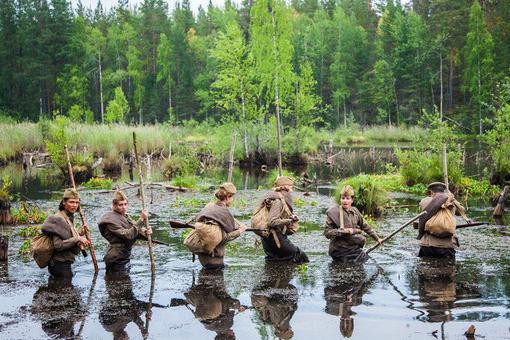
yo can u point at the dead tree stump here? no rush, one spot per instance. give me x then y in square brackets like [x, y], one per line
[5, 213]
[500, 206]
[4, 247]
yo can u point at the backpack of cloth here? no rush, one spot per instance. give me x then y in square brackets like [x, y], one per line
[210, 234]
[259, 220]
[42, 249]
[442, 224]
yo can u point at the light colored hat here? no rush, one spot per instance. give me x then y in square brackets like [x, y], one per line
[230, 188]
[119, 196]
[71, 193]
[283, 180]
[347, 190]
[437, 186]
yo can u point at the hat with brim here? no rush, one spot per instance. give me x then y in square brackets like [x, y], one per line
[437, 187]
[119, 196]
[229, 188]
[71, 193]
[283, 180]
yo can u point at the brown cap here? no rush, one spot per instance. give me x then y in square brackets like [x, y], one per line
[283, 180]
[119, 196]
[71, 193]
[347, 190]
[230, 188]
[437, 187]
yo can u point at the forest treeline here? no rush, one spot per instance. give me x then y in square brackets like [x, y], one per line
[319, 62]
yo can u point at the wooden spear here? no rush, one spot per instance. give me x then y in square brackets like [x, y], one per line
[142, 197]
[82, 216]
[395, 232]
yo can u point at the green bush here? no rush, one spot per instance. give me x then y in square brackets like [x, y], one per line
[181, 165]
[189, 182]
[98, 183]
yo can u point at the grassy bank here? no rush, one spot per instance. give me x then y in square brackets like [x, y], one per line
[114, 140]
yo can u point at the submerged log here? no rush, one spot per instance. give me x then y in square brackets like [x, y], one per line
[5, 213]
[500, 206]
[4, 247]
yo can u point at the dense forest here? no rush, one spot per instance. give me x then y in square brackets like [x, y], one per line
[319, 63]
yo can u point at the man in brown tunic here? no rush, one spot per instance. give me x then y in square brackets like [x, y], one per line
[430, 245]
[67, 242]
[121, 232]
[217, 213]
[344, 227]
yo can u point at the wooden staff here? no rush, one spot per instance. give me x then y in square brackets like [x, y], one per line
[142, 197]
[396, 231]
[445, 168]
[82, 216]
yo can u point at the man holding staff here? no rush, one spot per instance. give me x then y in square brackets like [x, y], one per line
[66, 240]
[344, 225]
[121, 232]
[433, 244]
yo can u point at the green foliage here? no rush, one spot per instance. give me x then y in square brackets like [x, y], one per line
[369, 195]
[31, 231]
[24, 248]
[498, 138]
[5, 191]
[98, 183]
[189, 182]
[184, 164]
[26, 214]
[117, 108]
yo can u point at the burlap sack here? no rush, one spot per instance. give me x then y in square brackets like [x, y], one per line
[442, 224]
[210, 234]
[42, 249]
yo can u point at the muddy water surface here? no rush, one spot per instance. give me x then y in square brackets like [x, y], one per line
[393, 296]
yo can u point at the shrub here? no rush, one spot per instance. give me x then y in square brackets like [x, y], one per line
[98, 183]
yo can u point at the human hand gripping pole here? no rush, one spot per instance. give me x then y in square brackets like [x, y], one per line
[82, 216]
[142, 197]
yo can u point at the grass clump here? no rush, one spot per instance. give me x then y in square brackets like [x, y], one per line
[24, 248]
[98, 183]
[27, 214]
[189, 182]
[31, 231]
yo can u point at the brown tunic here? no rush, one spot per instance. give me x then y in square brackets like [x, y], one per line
[64, 236]
[216, 214]
[429, 240]
[121, 232]
[352, 219]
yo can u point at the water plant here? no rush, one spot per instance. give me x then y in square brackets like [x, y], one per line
[99, 183]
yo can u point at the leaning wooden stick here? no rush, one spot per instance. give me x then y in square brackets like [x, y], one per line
[142, 197]
[82, 216]
[184, 225]
[396, 231]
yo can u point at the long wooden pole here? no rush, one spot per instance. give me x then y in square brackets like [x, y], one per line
[82, 216]
[396, 231]
[142, 197]
[445, 168]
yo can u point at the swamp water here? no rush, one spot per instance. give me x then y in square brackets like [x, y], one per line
[394, 295]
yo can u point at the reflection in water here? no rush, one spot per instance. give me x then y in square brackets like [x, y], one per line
[213, 306]
[121, 307]
[59, 307]
[345, 289]
[436, 287]
[275, 299]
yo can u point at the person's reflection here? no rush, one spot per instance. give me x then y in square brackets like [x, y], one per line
[436, 288]
[59, 307]
[275, 298]
[213, 306]
[121, 306]
[345, 288]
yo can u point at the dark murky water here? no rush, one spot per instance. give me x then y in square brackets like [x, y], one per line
[393, 296]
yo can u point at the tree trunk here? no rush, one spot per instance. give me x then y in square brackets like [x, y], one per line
[450, 80]
[243, 107]
[500, 207]
[169, 94]
[441, 86]
[101, 88]
[4, 248]
[277, 102]
[5, 213]
[345, 115]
